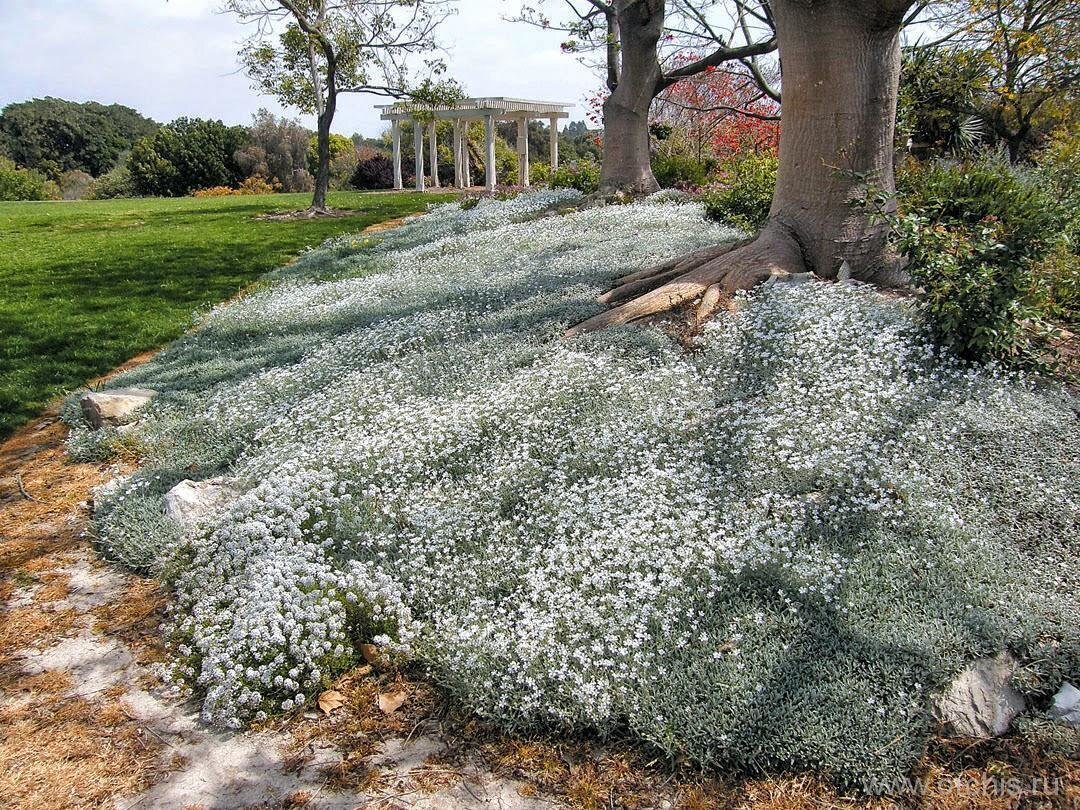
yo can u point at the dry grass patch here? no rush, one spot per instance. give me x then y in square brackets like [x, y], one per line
[54, 587]
[30, 626]
[72, 753]
[136, 619]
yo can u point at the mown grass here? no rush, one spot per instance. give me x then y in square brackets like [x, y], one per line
[86, 285]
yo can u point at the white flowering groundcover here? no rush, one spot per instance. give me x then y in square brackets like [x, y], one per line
[760, 553]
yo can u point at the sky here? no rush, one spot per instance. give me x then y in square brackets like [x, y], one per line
[167, 58]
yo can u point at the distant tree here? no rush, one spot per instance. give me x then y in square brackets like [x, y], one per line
[719, 113]
[343, 158]
[188, 154]
[56, 136]
[939, 89]
[308, 52]
[539, 137]
[644, 44]
[1027, 57]
[277, 151]
[577, 141]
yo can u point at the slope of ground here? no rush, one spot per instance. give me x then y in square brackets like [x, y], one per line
[763, 553]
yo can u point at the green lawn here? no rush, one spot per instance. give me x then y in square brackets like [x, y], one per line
[86, 285]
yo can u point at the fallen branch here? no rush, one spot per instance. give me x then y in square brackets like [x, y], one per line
[22, 489]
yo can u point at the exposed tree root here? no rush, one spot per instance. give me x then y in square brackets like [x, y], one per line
[705, 275]
[306, 213]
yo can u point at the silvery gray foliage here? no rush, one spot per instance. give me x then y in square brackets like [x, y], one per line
[764, 552]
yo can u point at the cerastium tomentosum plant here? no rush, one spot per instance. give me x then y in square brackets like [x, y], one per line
[763, 552]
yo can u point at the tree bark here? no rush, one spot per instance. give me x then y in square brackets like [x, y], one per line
[841, 69]
[627, 165]
[322, 176]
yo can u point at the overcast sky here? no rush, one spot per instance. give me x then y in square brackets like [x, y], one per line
[168, 59]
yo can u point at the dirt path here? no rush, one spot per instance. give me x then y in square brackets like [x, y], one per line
[86, 722]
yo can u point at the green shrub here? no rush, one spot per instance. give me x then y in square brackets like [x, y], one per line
[1056, 290]
[973, 232]
[21, 184]
[113, 184]
[681, 171]
[539, 173]
[506, 162]
[584, 175]
[744, 194]
[187, 154]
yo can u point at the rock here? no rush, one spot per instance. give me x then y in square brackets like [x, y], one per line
[981, 702]
[189, 503]
[1066, 706]
[113, 407]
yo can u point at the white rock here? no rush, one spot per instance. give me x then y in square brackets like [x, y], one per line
[1066, 707]
[112, 407]
[981, 702]
[190, 503]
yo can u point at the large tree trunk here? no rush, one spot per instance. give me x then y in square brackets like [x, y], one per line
[627, 165]
[841, 68]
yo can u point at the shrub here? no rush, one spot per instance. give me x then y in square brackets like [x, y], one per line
[301, 181]
[539, 173]
[115, 183]
[75, 185]
[743, 195]
[506, 163]
[188, 154]
[258, 185]
[972, 232]
[250, 186]
[373, 172]
[21, 184]
[583, 175]
[681, 171]
[214, 191]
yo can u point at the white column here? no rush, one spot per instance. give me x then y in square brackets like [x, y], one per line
[418, 146]
[433, 153]
[523, 151]
[459, 175]
[466, 157]
[489, 156]
[554, 133]
[395, 136]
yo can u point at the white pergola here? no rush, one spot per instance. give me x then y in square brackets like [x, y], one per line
[488, 110]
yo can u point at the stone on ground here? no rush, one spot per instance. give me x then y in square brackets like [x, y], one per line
[190, 503]
[981, 701]
[1066, 706]
[113, 407]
